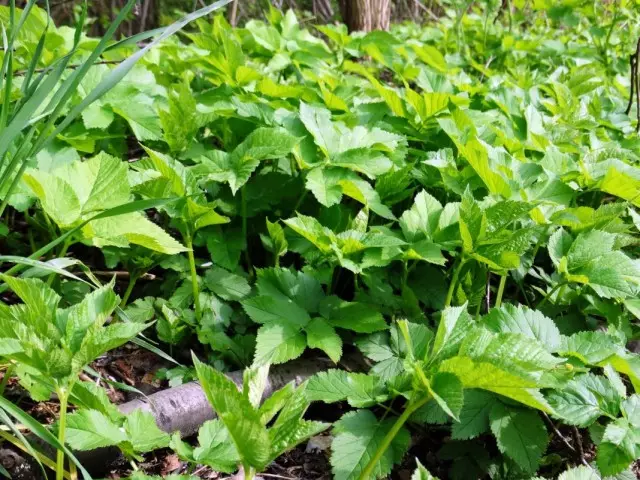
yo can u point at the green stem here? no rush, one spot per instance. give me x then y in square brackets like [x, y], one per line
[367, 473]
[249, 473]
[548, 295]
[454, 280]
[7, 374]
[510, 15]
[405, 274]
[243, 200]
[63, 396]
[63, 251]
[503, 282]
[133, 278]
[194, 276]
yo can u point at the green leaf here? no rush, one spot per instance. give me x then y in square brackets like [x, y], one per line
[357, 436]
[455, 322]
[446, 390]
[90, 429]
[236, 167]
[474, 415]
[623, 182]
[271, 310]
[304, 289]
[591, 259]
[631, 409]
[359, 389]
[487, 376]
[324, 183]
[240, 417]
[523, 320]
[102, 339]
[355, 316]
[513, 352]
[580, 473]
[227, 285]
[312, 230]
[57, 197]
[589, 347]
[521, 435]
[135, 228]
[420, 222]
[279, 343]
[323, 336]
[472, 223]
[216, 449]
[584, 399]
[278, 242]
[422, 473]
[143, 433]
[620, 445]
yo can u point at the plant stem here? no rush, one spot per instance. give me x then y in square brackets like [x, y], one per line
[402, 419]
[5, 379]
[248, 473]
[503, 282]
[46, 461]
[63, 396]
[133, 278]
[63, 251]
[454, 280]
[194, 276]
[548, 295]
[247, 258]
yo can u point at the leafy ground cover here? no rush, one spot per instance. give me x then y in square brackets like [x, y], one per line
[454, 204]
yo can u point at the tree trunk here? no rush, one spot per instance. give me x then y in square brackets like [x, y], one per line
[366, 15]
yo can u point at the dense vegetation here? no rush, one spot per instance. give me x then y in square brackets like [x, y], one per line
[452, 205]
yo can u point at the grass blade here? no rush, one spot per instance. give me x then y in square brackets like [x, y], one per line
[112, 212]
[123, 68]
[37, 429]
[4, 418]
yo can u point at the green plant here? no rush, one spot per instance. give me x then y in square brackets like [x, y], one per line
[457, 201]
[240, 436]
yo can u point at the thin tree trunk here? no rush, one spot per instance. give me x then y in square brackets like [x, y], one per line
[366, 15]
[233, 13]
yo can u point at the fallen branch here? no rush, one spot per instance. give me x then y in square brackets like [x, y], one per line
[180, 409]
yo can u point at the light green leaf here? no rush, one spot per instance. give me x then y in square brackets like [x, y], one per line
[324, 183]
[422, 473]
[241, 419]
[128, 228]
[90, 429]
[279, 343]
[271, 310]
[486, 376]
[357, 435]
[323, 336]
[420, 222]
[454, 324]
[57, 197]
[143, 433]
[359, 389]
[580, 473]
[523, 320]
[584, 399]
[446, 390]
[216, 449]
